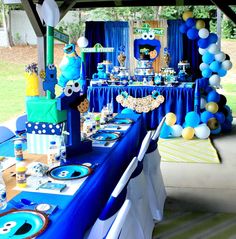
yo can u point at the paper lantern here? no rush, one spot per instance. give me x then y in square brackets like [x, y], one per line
[226, 65]
[188, 133]
[208, 58]
[213, 48]
[200, 24]
[192, 33]
[203, 33]
[213, 96]
[203, 66]
[192, 119]
[202, 131]
[215, 66]
[206, 73]
[220, 56]
[205, 116]
[176, 130]
[187, 14]
[183, 28]
[170, 119]
[212, 107]
[214, 80]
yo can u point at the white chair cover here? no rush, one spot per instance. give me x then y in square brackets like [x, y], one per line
[101, 227]
[155, 185]
[144, 145]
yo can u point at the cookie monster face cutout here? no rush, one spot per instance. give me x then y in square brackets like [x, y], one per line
[50, 79]
[69, 49]
[22, 224]
[147, 47]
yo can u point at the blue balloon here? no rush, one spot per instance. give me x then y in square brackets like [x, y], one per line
[220, 117]
[216, 131]
[192, 33]
[208, 89]
[190, 22]
[221, 72]
[183, 28]
[230, 118]
[212, 38]
[205, 116]
[213, 96]
[203, 43]
[192, 119]
[215, 66]
[226, 126]
[206, 73]
[208, 58]
[165, 131]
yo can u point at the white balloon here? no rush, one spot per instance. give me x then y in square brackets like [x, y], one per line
[202, 131]
[226, 65]
[176, 130]
[202, 103]
[214, 80]
[220, 56]
[203, 66]
[202, 51]
[203, 33]
[213, 48]
[82, 42]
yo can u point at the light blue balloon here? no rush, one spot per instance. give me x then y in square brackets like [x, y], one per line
[215, 66]
[208, 58]
[165, 131]
[206, 73]
[205, 116]
[221, 72]
[192, 119]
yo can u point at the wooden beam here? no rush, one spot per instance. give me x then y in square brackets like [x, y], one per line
[33, 16]
[227, 10]
[65, 7]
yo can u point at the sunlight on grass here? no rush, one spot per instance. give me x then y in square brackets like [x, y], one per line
[12, 90]
[230, 94]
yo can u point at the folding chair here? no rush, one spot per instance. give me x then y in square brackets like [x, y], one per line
[137, 192]
[102, 225]
[155, 185]
[5, 133]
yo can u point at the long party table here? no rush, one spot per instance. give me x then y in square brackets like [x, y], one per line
[77, 213]
[179, 100]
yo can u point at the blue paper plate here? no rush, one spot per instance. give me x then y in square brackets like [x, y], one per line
[121, 121]
[22, 224]
[69, 172]
[105, 136]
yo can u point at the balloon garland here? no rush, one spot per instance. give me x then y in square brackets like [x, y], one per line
[215, 115]
[140, 105]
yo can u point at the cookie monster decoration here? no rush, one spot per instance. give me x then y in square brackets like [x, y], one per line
[101, 74]
[69, 66]
[50, 80]
[147, 47]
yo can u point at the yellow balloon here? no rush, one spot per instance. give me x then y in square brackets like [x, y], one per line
[187, 15]
[170, 119]
[188, 133]
[212, 107]
[200, 24]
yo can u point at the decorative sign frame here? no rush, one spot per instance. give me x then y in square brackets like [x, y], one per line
[98, 48]
[146, 28]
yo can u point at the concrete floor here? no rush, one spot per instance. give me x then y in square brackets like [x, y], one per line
[207, 187]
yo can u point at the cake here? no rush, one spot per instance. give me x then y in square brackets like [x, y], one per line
[143, 70]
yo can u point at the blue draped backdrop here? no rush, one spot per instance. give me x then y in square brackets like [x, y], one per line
[117, 35]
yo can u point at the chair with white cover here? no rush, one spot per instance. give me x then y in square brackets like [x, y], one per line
[155, 184]
[112, 208]
[137, 192]
[5, 134]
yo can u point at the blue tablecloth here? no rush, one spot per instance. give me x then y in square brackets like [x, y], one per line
[77, 213]
[178, 100]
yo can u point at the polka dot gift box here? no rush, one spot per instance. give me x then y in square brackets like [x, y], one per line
[40, 134]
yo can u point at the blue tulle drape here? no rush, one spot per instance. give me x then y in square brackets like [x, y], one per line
[117, 36]
[95, 33]
[175, 42]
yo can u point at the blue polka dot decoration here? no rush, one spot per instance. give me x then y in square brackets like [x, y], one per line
[44, 128]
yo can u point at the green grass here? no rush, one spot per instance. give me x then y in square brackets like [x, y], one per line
[12, 90]
[230, 94]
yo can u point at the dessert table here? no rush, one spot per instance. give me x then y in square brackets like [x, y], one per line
[179, 100]
[76, 214]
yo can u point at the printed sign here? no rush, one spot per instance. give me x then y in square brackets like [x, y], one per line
[97, 48]
[146, 29]
[60, 36]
